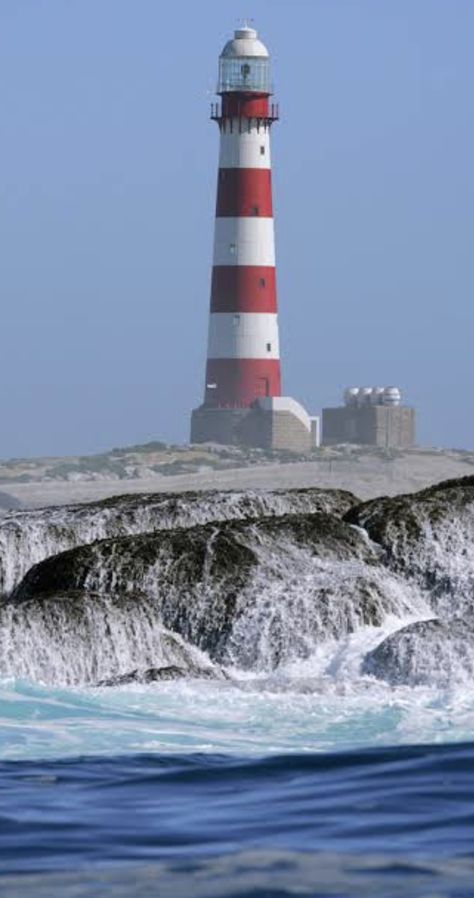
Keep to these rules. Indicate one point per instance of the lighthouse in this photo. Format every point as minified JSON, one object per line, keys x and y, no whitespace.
{"x":243,"y":402}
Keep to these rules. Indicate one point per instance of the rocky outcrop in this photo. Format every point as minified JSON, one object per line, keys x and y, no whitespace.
{"x":253,"y":593}
{"x":428,"y":537}
{"x":201,"y":582}
{"x":162,"y":674}
{"x":429,"y":652}
{"x":28,"y":537}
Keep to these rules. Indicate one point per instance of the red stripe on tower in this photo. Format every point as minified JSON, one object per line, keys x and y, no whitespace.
{"x":244,"y":191}
{"x":243,"y":288}
{"x":252,"y":378}
{"x":243,"y":359}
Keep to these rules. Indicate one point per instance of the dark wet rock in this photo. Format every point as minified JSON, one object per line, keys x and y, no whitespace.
{"x":192,"y":576}
{"x":224,"y":550}
{"x":428,"y":537}
{"x":161,"y":674}
{"x":256,"y":593}
{"x":28,"y":537}
{"x":432,"y":652}
{"x":197,"y":506}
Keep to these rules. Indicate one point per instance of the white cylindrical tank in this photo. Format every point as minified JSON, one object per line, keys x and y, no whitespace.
{"x":365,"y":395}
{"x":378,"y":394}
{"x":350,"y":395}
{"x":392,"y":396}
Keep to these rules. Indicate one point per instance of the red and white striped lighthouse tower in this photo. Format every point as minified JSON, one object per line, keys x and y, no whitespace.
{"x":243,"y":354}
{"x":243,"y":359}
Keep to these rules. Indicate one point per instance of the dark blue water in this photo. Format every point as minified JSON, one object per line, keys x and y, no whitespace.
{"x":371,"y":822}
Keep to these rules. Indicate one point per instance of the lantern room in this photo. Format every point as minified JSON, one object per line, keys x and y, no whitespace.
{"x":244,"y":65}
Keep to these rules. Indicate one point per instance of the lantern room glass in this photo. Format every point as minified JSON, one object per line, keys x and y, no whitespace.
{"x":244,"y":73}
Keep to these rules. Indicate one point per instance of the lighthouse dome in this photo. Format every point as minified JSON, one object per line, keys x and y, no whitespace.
{"x":244,"y":43}
{"x":244,"y":65}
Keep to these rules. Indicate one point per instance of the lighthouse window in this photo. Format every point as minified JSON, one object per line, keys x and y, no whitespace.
{"x":255,"y":210}
{"x":235,"y":73}
{"x":261,"y":283}
{"x":269,"y":347}
{"x":262,"y":150}
{"x":232,"y":247}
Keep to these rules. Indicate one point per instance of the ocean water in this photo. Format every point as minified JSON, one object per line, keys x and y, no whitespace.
{"x":278,"y":714}
{"x":291,"y":772}
{"x":312,"y":781}
{"x":385,"y":822}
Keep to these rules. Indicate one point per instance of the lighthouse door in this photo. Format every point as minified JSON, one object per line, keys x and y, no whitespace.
{"x":262,"y":387}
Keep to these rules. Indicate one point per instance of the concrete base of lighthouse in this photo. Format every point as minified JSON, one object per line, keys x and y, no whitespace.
{"x":278,"y":423}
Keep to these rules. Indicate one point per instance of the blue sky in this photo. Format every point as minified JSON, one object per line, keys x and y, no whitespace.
{"x":107,"y":181}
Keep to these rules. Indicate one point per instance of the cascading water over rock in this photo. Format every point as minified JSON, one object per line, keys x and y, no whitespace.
{"x":260,"y":590}
{"x":428,"y":538}
{"x":73,"y":639}
{"x":254,"y":594}
{"x":28,"y":537}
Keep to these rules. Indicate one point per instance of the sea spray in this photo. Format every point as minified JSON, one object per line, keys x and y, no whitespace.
{"x":27,"y":537}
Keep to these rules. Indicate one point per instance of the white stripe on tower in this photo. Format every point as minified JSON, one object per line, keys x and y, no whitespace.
{"x":252,"y":335}
{"x":244,"y":241}
{"x":250,"y":150}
